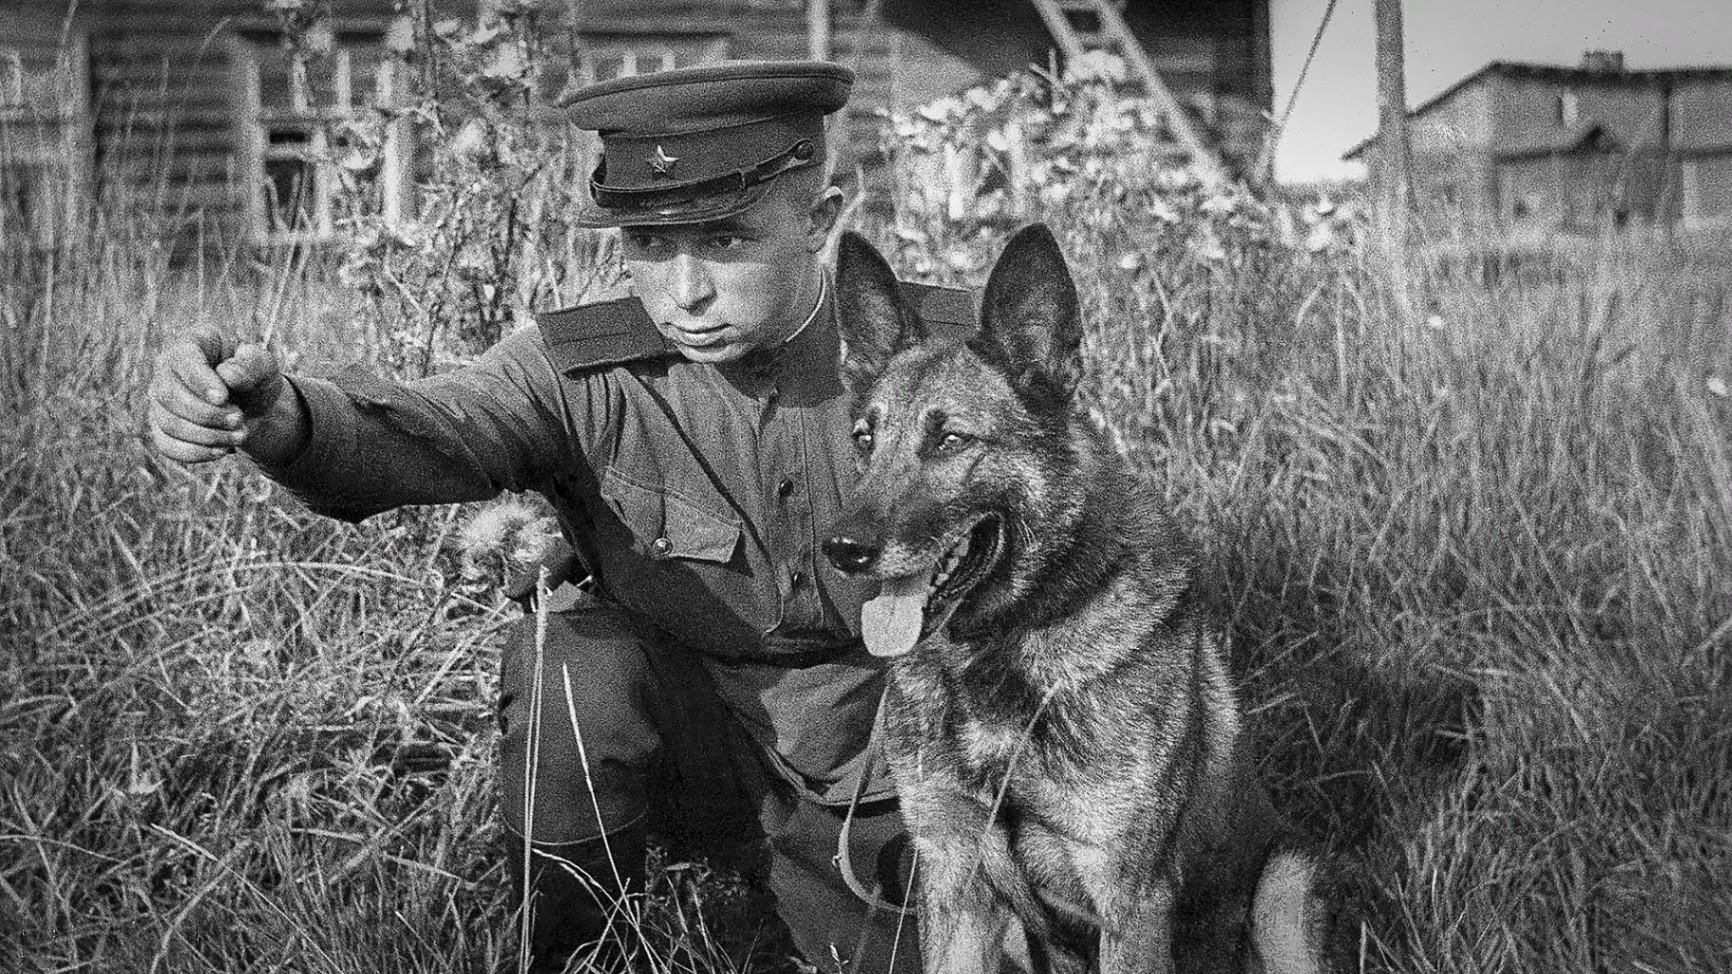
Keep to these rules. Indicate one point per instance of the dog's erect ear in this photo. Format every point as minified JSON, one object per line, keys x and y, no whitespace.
{"x":874,"y":321}
{"x":1029,"y":323}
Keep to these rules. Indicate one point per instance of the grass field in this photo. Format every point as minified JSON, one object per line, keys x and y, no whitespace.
{"x":1477,"y":562}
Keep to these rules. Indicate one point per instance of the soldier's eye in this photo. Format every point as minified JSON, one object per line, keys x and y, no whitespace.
{"x":727,"y":241}
{"x":645,"y":242}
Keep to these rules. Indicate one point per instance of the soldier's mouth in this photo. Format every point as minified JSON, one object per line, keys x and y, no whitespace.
{"x":699,"y":335}
{"x":909,"y":608}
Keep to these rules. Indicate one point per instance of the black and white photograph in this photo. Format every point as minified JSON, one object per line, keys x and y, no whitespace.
{"x":865,"y":486}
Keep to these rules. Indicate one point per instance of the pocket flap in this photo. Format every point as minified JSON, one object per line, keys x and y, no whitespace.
{"x":666,"y":525}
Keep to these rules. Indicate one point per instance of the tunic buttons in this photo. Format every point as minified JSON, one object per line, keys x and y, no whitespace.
{"x":661,"y":548}
{"x":785,"y":489}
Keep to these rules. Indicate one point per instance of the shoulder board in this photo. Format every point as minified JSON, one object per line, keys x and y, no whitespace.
{"x":951,"y":310}
{"x":605,"y":333}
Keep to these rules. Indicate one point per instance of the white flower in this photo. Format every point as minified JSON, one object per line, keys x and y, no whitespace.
{"x":1175,"y":178}
{"x":473,"y":142}
{"x":1097,"y":65}
{"x":1209,"y":247}
{"x":1321,"y":238}
{"x":1220,"y":204}
{"x":939,"y":110}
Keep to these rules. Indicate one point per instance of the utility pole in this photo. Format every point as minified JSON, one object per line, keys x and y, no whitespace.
{"x":1394,"y":154}
{"x":818,"y":29}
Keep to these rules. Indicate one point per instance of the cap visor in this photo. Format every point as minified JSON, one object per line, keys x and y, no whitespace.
{"x":694,"y":211}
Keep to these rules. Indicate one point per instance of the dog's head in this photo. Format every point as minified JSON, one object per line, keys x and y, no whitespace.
{"x":961,"y":445}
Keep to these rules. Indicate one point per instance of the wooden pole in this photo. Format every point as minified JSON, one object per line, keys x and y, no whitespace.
{"x":818,"y":29}
{"x":574,"y":27}
{"x":1394,"y":153}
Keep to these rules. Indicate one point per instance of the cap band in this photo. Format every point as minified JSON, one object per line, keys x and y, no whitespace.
{"x":801,"y":154}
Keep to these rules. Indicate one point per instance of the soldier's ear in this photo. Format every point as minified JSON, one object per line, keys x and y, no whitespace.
{"x":821,"y":217}
{"x":1030,"y":327}
{"x":874,"y":321}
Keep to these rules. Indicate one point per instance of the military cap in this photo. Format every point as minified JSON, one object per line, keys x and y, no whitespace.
{"x":706,"y":142}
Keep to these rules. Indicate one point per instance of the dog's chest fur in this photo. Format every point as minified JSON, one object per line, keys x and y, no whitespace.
{"x":1015,"y":722}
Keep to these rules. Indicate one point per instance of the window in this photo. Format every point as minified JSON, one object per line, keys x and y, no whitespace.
{"x":298,"y":120}
{"x":603,"y":57}
{"x":11,"y":79}
{"x":44,"y":131}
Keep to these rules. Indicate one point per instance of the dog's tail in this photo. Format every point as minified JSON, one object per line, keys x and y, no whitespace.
{"x":1286,"y":918}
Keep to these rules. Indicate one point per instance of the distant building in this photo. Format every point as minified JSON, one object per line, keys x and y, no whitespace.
{"x":1532,"y":150}
{"x":192,"y":107}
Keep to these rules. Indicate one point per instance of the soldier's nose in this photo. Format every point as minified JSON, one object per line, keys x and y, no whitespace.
{"x":692,"y":284}
{"x":851,"y":554}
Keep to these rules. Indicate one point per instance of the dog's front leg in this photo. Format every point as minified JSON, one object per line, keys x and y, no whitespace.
{"x":962,"y":920}
{"x":1137,"y":931}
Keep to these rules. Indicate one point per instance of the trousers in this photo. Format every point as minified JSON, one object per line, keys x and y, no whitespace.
{"x":630,"y":732}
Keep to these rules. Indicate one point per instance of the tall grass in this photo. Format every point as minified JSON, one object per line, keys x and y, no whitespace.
{"x":1476,"y":566}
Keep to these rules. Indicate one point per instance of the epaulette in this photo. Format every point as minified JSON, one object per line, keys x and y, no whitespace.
{"x":950,"y":311}
{"x":604,"y":333}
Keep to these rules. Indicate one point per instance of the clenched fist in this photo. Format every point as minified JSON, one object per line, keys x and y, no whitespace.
{"x":210,"y":396}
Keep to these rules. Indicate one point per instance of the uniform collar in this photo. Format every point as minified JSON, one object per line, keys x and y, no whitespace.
{"x":805,"y":368}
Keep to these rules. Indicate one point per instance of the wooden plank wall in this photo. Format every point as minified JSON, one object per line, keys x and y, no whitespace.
{"x":164,"y":123}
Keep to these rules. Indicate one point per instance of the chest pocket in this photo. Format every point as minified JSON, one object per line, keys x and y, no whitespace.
{"x":664,"y":524}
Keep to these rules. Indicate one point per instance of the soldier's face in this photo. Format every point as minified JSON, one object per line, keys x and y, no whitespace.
{"x":723,"y":289}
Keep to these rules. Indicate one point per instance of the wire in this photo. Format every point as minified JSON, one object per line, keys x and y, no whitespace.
{"x":1264,"y":158}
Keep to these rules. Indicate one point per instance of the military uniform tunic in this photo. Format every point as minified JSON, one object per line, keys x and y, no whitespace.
{"x":696,"y":495}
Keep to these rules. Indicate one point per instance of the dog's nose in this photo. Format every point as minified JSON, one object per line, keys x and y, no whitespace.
{"x":851,"y":554}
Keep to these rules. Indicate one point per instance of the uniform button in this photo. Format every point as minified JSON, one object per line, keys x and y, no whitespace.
{"x":785,"y":489}
{"x":796,"y":577}
{"x":661,"y":548}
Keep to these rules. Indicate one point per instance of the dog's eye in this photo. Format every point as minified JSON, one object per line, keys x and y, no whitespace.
{"x":951,"y":442}
{"x":862,"y":437}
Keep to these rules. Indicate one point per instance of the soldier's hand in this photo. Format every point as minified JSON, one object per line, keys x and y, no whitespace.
{"x":210,"y":396}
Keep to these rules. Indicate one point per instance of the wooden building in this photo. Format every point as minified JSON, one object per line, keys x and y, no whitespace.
{"x":194,"y":109}
{"x":1532,"y":150}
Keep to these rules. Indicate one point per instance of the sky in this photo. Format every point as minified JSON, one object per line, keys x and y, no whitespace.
{"x":1450,"y":39}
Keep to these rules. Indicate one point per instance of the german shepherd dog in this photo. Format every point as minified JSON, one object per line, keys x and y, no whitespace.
{"x":1059,"y":718}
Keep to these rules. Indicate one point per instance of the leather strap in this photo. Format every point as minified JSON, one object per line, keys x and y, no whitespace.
{"x":843,"y":860}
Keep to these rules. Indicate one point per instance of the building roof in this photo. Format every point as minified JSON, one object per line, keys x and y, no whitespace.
{"x":1584,"y":136}
{"x":1564,"y":75}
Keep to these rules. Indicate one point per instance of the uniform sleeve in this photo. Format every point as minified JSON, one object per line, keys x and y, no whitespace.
{"x":502,"y":423}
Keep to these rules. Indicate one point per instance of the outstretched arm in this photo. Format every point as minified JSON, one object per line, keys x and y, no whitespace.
{"x":357,"y":444}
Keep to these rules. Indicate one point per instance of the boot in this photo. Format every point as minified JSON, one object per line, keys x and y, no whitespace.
{"x":575,"y":902}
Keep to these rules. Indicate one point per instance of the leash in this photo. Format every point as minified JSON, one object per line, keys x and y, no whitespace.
{"x":843,"y":860}
{"x":1073,"y":913}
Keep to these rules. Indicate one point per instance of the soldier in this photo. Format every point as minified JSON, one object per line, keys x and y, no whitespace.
{"x":693,"y":439}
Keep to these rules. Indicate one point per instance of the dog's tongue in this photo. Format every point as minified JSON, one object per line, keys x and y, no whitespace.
{"x":890,"y":623}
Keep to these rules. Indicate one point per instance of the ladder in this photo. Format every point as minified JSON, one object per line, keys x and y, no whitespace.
{"x":1081,"y":26}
